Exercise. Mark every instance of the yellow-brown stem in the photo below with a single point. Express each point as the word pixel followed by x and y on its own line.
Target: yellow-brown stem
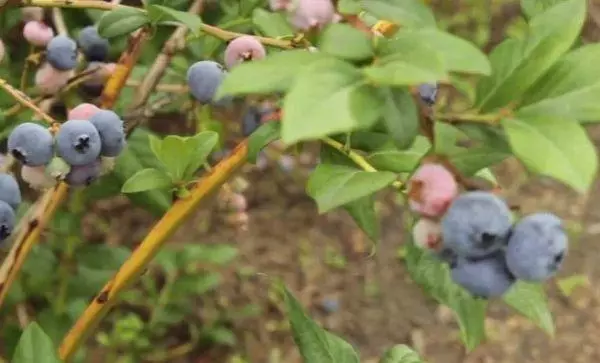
pixel 147 249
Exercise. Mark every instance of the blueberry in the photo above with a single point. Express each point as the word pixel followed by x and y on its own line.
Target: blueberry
pixel 78 142
pixel 242 49
pixel 93 45
pixel 204 78
pixel 84 174
pixel 61 53
pixel 31 144
pixel 428 93
pixel 10 191
pixel 476 224
pixel 112 133
pixel 536 247
pixel 484 278
pixel 7 220
pixel 251 120
pixel 308 14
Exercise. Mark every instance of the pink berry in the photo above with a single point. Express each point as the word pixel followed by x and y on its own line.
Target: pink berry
pixel 277 5
pixel 243 49
pixel 427 234
pixel 49 80
pixel 83 111
pixel 238 202
pixel 38 33
pixel 36 177
pixel 309 14
pixel 32 13
pixel 431 190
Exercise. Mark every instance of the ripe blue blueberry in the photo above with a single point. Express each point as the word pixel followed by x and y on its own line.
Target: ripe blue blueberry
pixel 84 174
pixel 537 247
pixel 78 142
pixel 203 79
pixel 476 224
pixel 94 47
pixel 31 144
pixel 251 120
pixel 7 220
pixel 112 134
pixel 428 93
pixel 61 53
pixel 10 191
pixel 484 278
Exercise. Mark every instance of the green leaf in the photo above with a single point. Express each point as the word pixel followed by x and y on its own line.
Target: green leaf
pixel 121 21
pixel 349 6
pixel 408 13
pixel 554 146
pixel 532 8
pixel 517 64
pixel 570 89
pixel 531 301
pixel 35 347
pixel 328 97
pixel 406 61
pixel 400 354
pixel 147 179
pixel 216 254
pixel 400 116
pixel 400 161
pixel 271 24
pixel 262 137
pixel 198 148
pixel 364 214
pixel 332 186
pixel 471 160
pixel 274 73
pixel 346 42
pixel 137 156
pixel 457 54
pixel 568 284
pixel 316 345
pixel 174 152
pixel 434 276
pixel 192 21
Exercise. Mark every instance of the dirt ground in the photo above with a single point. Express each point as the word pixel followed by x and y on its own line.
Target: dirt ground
pixel 370 300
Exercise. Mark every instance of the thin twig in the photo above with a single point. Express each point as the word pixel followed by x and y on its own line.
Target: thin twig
pixel 162 87
pixel 59 21
pixel 23 99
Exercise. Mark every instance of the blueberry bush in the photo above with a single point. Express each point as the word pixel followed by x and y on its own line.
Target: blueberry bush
pixel 365 79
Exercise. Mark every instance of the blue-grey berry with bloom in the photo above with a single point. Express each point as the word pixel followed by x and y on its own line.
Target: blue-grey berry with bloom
pixel 61 53
pixel 78 142
pixel 484 278
pixel 94 47
pixel 111 130
pixel 31 144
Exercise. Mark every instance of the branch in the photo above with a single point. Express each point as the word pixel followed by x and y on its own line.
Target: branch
pixel 147 249
pixel 52 198
pixel 79 4
pixel 24 100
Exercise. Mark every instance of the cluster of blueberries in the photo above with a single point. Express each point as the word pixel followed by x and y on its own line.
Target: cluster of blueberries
pixel 85 144
pixel 474 232
pixel 62 53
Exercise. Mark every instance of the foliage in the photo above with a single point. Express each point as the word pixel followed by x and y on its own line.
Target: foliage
pixel 357 95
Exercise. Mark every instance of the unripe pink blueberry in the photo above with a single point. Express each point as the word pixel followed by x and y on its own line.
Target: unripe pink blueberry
pixel 38 33
pixel 83 111
pixel 50 80
pixel 427 234
pixel 243 49
pixel 431 190
pixel 32 13
pixel 238 202
pixel 36 177
pixel 309 14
